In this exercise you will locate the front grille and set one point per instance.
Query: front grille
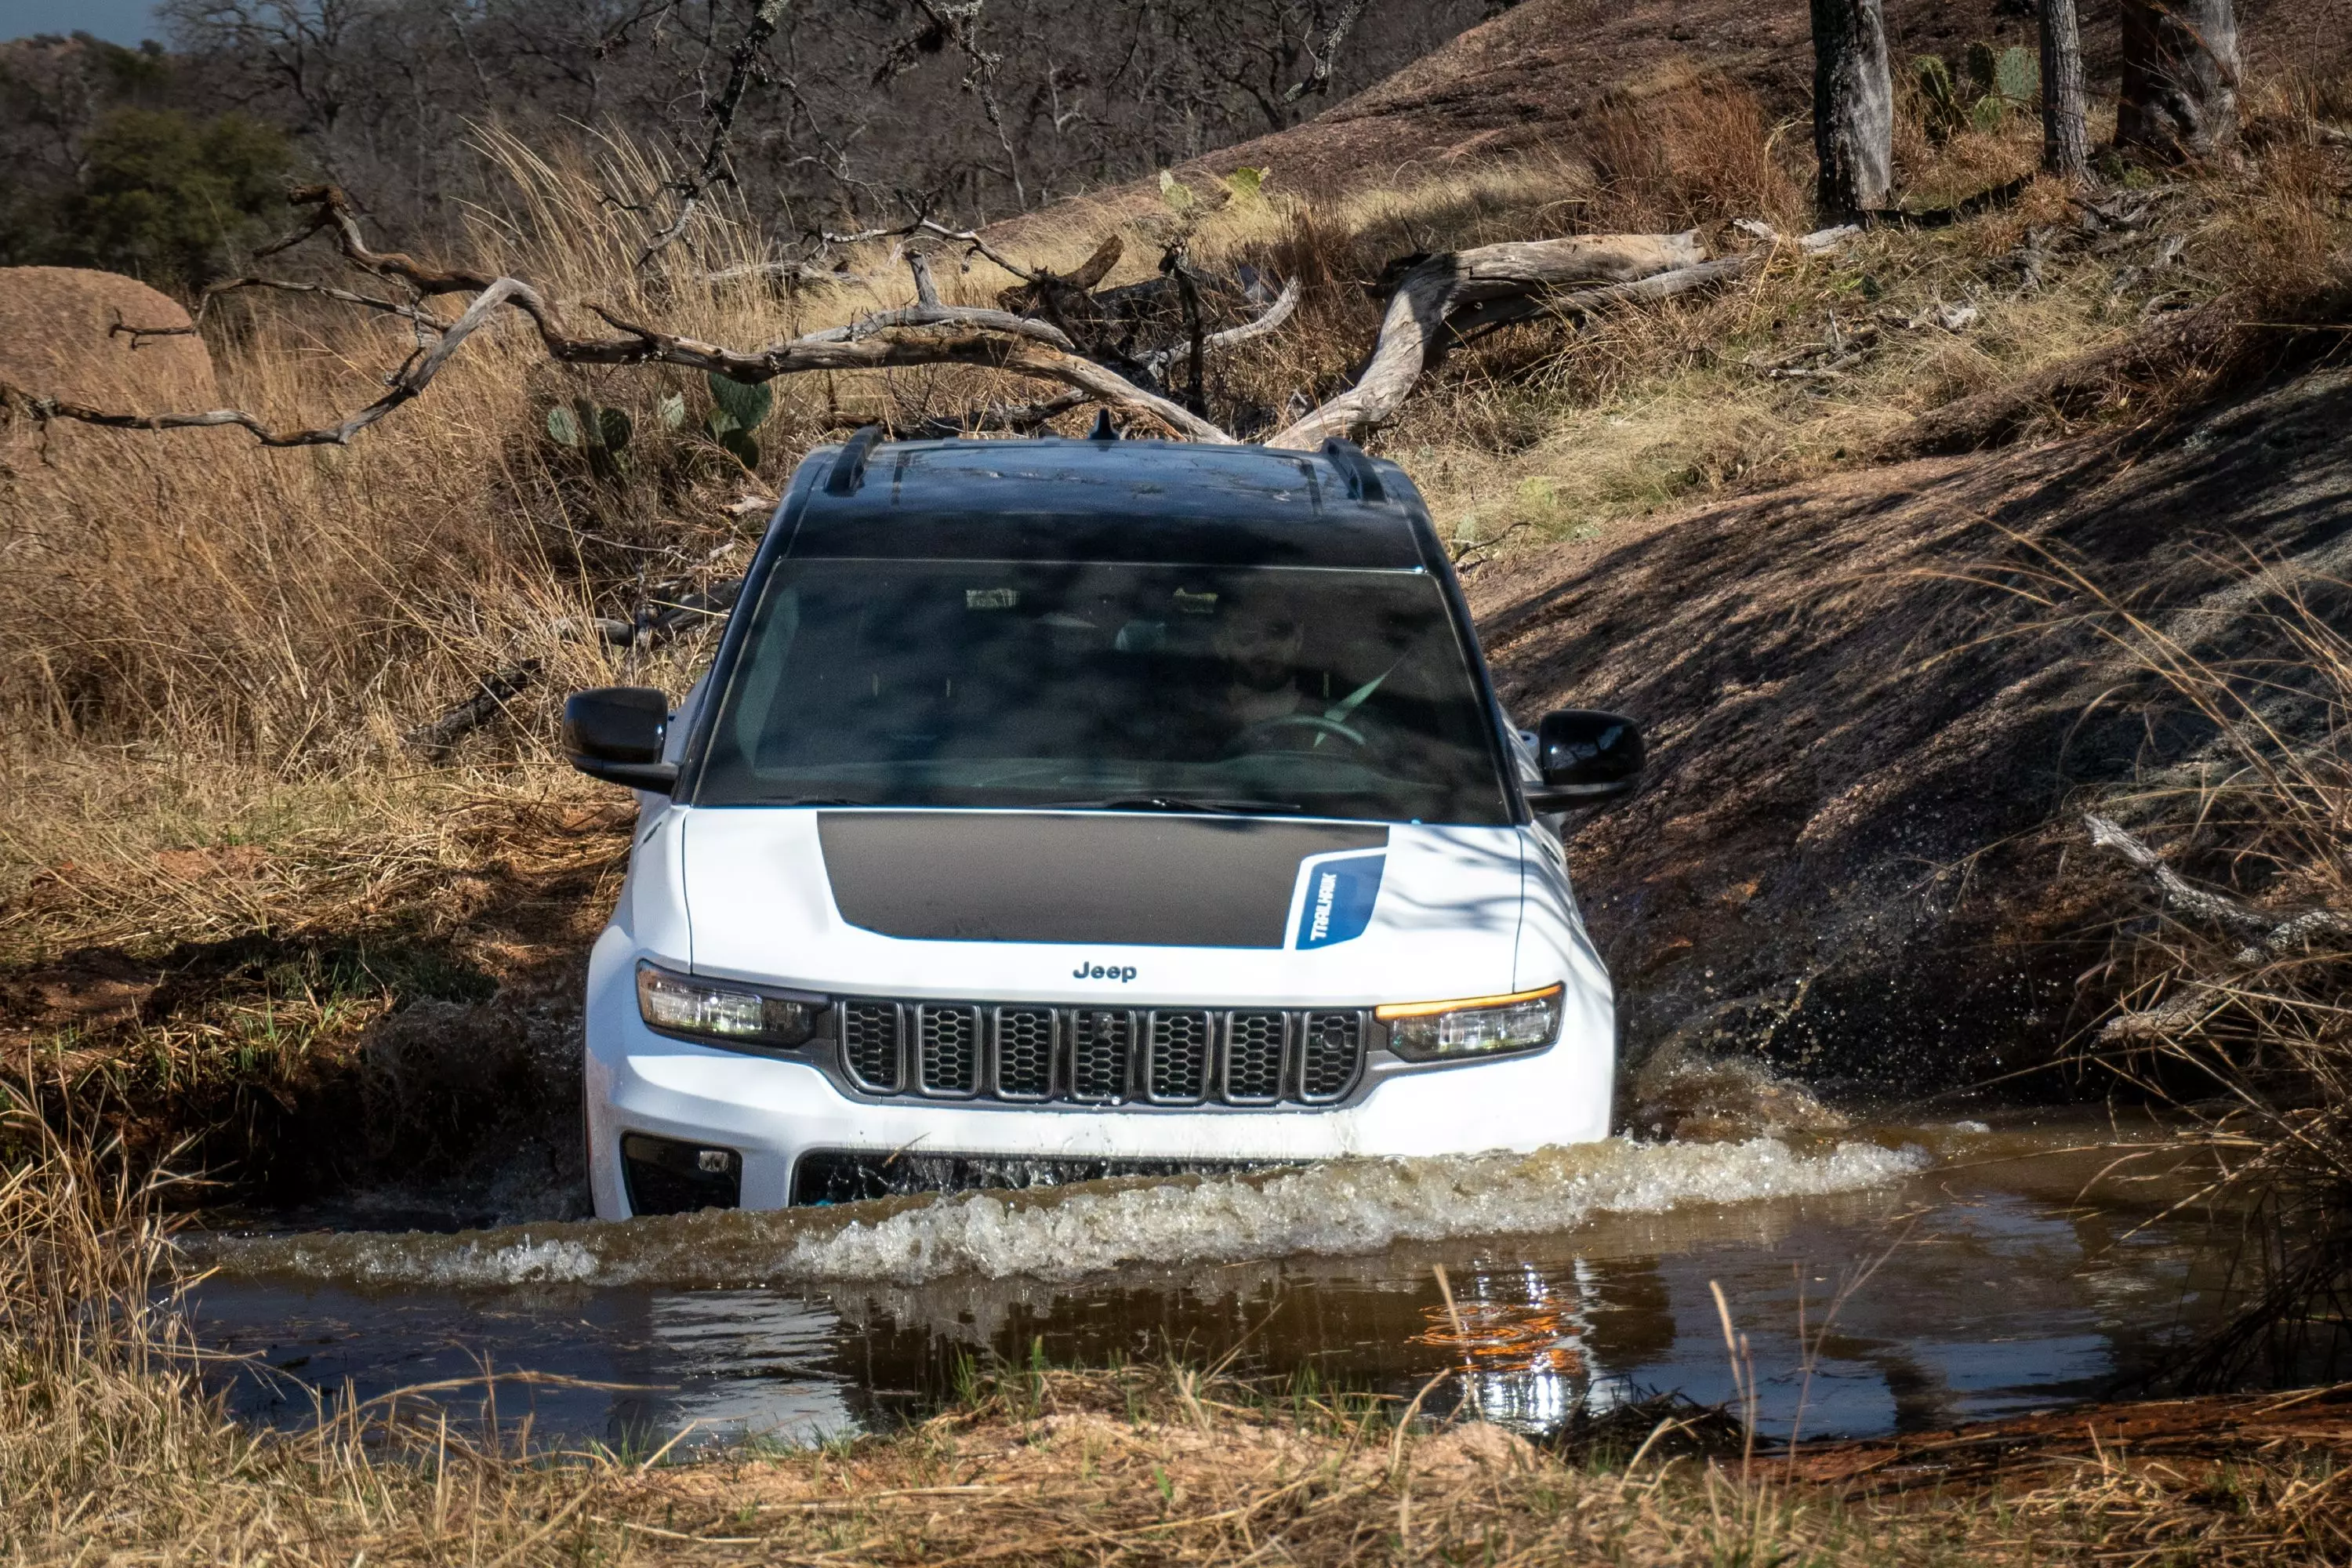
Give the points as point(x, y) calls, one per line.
point(950, 1043)
point(869, 1045)
point(1332, 1056)
point(1099, 1043)
point(1178, 1072)
point(1254, 1052)
point(1099, 1055)
point(1024, 1053)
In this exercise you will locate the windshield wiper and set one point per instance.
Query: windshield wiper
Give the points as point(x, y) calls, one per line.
point(1181, 805)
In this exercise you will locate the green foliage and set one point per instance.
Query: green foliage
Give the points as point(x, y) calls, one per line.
point(1247, 183)
point(747, 404)
point(1984, 66)
point(614, 428)
point(1177, 194)
point(1940, 97)
point(741, 409)
point(2017, 76)
point(168, 197)
point(671, 410)
point(2003, 80)
point(597, 432)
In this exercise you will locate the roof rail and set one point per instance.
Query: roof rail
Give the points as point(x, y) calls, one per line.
point(849, 468)
point(1363, 479)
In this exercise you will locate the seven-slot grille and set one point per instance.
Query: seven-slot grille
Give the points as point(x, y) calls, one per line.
point(1095, 1056)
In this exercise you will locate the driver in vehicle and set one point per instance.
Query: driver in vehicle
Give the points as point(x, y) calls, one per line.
point(1258, 640)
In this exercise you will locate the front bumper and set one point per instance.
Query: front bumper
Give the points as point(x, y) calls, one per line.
point(773, 1111)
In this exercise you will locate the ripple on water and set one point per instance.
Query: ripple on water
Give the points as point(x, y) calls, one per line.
point(1343, 1207)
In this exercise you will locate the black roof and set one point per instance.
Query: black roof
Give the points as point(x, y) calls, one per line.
point(1172, 503)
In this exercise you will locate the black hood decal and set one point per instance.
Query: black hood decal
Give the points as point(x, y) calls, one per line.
point(1112, 878)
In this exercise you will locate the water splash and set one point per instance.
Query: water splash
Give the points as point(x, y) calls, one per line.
point(1341, 1208)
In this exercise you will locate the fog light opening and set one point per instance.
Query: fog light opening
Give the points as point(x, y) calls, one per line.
point(663, 1176)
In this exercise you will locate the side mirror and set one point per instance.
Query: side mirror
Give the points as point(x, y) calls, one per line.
point(615, 734)
point(1586, 758)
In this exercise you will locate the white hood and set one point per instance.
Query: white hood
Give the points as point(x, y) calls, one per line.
point(1084, 906)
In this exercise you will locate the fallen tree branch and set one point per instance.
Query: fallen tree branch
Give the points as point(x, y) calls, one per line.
point(977, 317)
point(1433, 289)
point(341, 296)
point(965, 237)
point(1496, 313)
point(1284, 305)
point(1436, 302)
point(2268, 934)
point(920, 335)
point(497, 688)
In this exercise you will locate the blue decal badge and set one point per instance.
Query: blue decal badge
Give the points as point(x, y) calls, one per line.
point(1340, 894)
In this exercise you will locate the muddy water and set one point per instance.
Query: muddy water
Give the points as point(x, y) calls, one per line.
point(1971, 1273)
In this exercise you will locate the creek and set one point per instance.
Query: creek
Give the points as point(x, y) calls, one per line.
point(1894, 1277)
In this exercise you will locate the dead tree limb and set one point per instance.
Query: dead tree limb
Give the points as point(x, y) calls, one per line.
point(1434, 287)
point(2265, 933)
point(938, 315)
point(1285, 304)
point(423, 318)
point(497, 688)
point(969, 238)
point(741, 67)
point(1436, 300)
point(922, 335)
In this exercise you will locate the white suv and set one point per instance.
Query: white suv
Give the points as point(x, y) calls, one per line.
point(1056, 809)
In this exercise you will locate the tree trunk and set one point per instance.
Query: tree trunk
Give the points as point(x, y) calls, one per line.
point(1853, 108)
point(2065, 145)
point(2180, 76)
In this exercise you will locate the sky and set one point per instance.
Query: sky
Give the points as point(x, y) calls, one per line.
point(122, 21)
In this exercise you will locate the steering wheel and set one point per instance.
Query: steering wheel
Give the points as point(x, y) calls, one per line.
point(1246, 740)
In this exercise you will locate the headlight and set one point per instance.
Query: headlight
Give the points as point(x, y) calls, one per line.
point(1473, 1026)
point(722, 1013)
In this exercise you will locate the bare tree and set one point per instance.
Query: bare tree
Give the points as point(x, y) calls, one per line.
point(2179, 78)
point(2065, 143)
point(1853, 107)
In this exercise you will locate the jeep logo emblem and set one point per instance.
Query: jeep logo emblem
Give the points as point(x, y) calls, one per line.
point(1103, 971)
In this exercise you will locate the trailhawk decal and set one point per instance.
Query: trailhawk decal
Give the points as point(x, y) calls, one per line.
point(1336, 894)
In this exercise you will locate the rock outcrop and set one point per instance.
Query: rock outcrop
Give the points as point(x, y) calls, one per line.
point(57, 340)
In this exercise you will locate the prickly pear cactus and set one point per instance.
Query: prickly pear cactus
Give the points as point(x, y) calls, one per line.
point(1939, 99)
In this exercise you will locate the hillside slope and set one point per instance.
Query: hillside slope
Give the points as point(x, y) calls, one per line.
point(1535, 77)
point(1854, 851)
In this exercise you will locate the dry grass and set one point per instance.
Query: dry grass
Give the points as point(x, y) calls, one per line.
point(2235, 978)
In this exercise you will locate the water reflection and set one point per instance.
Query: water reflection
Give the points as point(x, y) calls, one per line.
point(1988, 1292)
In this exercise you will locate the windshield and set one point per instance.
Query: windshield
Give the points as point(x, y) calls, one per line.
point(1287, 691)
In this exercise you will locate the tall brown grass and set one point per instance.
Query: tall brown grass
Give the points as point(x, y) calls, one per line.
point(2237, 981)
